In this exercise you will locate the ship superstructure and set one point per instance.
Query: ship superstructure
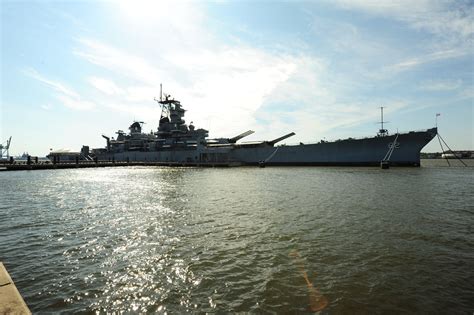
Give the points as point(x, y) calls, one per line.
point(172, 132)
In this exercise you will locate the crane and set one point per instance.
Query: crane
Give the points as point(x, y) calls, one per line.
point(4, 149)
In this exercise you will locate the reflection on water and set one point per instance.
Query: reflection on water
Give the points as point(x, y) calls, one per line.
point(317, 301)
point(181, 240)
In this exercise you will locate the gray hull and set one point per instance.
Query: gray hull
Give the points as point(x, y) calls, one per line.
point(368, 151)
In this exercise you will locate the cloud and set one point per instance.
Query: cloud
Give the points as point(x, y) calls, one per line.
point(141, 93)
point(117, 61)
point(178, 15)
point(231, 87)
point(46, 106)
point(67, 96)
point(426, 58)
point(222, 85)
point(105, 86)
point(140, 112)
point(438, 85)
point(449, 24)
point(57, 86)
point(74, 103)
point(438, 17)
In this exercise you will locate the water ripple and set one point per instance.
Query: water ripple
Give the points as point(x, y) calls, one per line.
point(135, 240)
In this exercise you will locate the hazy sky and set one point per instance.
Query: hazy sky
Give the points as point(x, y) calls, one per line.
point(73, 70)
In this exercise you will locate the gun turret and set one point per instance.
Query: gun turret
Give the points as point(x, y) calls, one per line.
point(242, 135)
point(108, 142)
point(281, 138)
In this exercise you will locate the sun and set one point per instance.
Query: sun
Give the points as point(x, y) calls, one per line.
point(143, 11)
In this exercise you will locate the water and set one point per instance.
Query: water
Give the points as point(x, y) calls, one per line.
point(177, 240)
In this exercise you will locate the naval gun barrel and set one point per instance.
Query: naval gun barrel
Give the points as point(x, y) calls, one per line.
point(108, 142)
point(281, 138)
point(242, 135)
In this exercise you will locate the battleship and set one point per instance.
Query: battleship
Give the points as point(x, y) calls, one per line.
point(176, 142)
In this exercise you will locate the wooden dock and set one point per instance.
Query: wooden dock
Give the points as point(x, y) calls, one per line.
point(11, 301)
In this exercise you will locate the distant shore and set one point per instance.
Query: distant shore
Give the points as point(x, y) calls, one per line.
point(462, 154)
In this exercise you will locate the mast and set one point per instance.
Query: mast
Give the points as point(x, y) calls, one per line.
point(164, 109)
point(382, 131)
point(381, 113)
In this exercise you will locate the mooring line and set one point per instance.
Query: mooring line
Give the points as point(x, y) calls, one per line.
point(439, 137)
point(271, 155)
point(442, 149)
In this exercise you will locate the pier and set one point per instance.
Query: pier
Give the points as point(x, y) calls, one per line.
point(11, 301)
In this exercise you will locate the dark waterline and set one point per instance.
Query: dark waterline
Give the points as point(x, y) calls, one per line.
point(220, 240)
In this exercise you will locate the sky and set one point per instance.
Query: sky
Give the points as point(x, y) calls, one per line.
point(74, 70)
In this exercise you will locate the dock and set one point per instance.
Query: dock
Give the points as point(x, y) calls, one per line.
point(11, 301)
point(93, 164)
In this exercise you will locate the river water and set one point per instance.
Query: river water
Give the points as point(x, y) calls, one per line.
point(225, 240)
